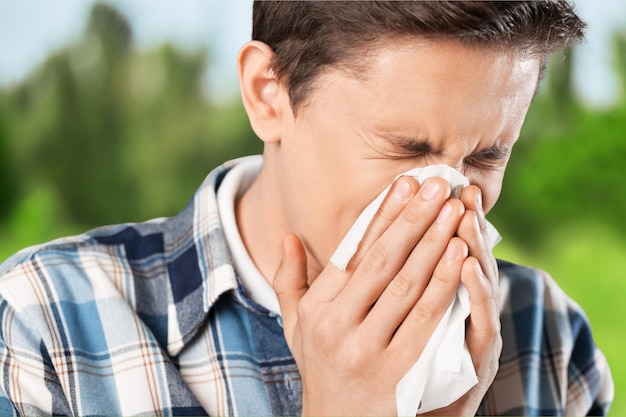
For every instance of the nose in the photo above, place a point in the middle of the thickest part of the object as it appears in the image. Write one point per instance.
(456, 161)
(458, 164)
(455, 165)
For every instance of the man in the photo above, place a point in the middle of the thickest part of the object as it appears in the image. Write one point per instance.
(232, 307)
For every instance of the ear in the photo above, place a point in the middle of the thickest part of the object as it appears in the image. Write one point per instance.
(263, 96)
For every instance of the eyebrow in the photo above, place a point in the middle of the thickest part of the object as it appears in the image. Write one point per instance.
(493, 153)
(411, 144)
(418, 145)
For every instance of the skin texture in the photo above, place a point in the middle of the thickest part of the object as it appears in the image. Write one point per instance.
(418, 103)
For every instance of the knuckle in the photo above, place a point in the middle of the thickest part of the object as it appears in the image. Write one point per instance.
(377, 258)
(411, 214)
(325, 334)
(468, 222)
(387, 211)
(422, 313)
(354, 361)
(444, 280)
(458, 208)
(400, 286)
(429, 240)
(305, 309)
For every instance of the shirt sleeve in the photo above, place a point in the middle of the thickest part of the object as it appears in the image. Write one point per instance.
(71, 342)
(590, 387)
(6, 406)
(27, 379)
(550, 364)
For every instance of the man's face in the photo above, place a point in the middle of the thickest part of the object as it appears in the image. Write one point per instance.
(418, 103)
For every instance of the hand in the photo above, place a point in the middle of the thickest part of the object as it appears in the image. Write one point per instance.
(480, 276)
(354, 334)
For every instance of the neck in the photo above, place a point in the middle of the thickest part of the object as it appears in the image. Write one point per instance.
(262, 222)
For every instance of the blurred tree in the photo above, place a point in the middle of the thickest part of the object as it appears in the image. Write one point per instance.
(78, 151)
(619, 53)
(112, 31)
(561, 85)
(119, 134)
(115, 134)
(8, 174)
(566, 167)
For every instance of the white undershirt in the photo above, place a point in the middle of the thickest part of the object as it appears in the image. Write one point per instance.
(236, 182)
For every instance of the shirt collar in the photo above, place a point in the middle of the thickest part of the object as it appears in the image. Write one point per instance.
(199, 262)
(235, 183)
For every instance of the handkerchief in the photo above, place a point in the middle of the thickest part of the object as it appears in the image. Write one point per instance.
(444, 370)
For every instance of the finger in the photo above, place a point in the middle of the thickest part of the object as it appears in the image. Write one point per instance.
(426, 265)
(481, 249)
(425, 315)
(483, 335)
(472, 198)
(393, 307)
(484, 320)
(401, 192)
(385, 257)
(469, 231)
(290, 282)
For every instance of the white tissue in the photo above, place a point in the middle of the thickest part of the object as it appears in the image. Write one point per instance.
(444, 370)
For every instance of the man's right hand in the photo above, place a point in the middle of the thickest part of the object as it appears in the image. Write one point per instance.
(354, 334)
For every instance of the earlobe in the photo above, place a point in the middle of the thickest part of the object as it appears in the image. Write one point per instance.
(260, 91)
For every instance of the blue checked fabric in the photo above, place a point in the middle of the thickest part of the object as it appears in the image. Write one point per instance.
(150, 319)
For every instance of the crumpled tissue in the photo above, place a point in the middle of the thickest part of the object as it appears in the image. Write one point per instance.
(444, 370)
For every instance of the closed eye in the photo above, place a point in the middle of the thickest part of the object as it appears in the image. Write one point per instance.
(489, 158)
(417, 147)
(409, 146)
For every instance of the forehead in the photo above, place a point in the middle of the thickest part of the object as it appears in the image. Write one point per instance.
(442, 63)
(437, 82)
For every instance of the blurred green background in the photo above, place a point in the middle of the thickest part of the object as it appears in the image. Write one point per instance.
(105, 132)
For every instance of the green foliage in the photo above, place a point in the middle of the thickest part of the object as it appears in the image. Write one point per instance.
(8, 172)
(119, 135)
(566, 167)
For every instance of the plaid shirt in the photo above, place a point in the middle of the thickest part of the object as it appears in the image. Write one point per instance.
(150, 319)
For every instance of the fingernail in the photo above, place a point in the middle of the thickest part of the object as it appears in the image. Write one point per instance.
(430, 190)
(444, 214)
(402, 190)
(451, 251)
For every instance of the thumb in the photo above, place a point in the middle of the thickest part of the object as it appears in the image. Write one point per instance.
(290, 282)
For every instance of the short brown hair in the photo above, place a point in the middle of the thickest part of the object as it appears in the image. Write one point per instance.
(307, 36)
